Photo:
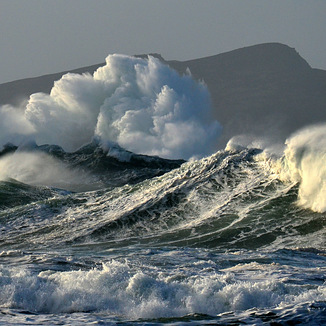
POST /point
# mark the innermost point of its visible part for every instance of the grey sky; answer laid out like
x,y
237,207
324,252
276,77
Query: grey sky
x,y
46,36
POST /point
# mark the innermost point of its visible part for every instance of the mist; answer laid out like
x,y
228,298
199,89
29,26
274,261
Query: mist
x,y
41,169
305,155
141,104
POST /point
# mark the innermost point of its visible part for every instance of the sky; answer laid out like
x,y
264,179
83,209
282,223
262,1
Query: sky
x,y
39,37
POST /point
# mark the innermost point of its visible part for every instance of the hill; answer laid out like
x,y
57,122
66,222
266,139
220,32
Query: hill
x,y
266,89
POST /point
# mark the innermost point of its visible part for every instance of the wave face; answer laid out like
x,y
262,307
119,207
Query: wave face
x,y
140,104
305,156
223,240
93,233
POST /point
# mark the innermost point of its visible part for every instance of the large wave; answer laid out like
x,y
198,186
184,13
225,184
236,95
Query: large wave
x,y
148,108
304,162
300,161
141,104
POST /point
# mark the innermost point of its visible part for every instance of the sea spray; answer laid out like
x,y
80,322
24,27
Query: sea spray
x,y
301,161
141,104
41,169
14,128
218,240
125,289
304,162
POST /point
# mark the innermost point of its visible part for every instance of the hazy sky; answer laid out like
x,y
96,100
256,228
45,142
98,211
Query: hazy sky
x,y
46,36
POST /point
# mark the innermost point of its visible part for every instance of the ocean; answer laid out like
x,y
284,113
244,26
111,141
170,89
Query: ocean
x,y
179,233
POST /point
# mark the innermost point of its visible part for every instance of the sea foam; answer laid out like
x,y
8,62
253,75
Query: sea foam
x,y
300,160
121,290
41,169
141,104
304,162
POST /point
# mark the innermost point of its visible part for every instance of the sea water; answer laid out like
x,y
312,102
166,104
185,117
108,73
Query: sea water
x,y
218,240
99,235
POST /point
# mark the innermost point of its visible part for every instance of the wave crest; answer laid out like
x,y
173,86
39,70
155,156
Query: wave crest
x,y
141,104
304,162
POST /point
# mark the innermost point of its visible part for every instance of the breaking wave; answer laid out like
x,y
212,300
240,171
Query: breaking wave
x,y
144,292
92,233
141,104
304,162
224,239
301,160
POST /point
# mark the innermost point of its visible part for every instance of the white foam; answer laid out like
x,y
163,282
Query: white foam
x,y
304,162
141,104
40,169
13,125
301,161
121,289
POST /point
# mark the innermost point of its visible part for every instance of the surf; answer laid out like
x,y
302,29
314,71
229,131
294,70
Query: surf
x,y
89,208
140,104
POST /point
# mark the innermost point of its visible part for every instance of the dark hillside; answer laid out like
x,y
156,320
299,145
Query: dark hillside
x,y
266,89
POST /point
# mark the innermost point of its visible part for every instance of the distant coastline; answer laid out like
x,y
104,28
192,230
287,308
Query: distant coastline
x,y
265,90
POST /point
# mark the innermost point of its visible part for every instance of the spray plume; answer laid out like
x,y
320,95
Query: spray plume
x,y
141,104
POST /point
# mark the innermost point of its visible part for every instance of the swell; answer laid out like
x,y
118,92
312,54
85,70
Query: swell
x,y
90,167
228,200
14,193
